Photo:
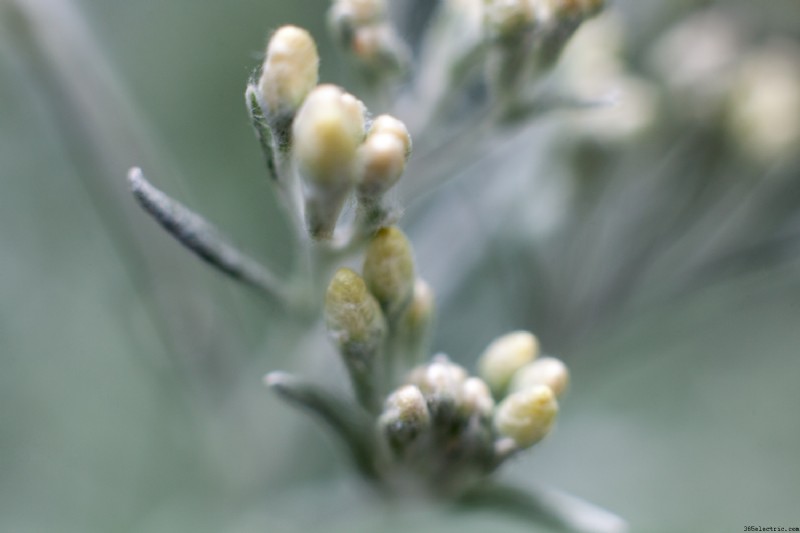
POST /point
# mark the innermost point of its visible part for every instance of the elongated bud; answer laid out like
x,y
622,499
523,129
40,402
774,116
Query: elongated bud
x,y
289,72
389,270
327,132
329,128
356,324
504,356
527,416
416,321
405,418
545,371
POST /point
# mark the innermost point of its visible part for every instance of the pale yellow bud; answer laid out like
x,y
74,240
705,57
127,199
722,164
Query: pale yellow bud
x,y
290,70
353,317
389,270
391,125
764,108
504,356
527,416
418,315
476,397
327,131
382,162
545,371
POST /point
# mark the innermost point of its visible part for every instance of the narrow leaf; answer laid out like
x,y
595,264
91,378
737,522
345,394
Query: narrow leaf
x,y
199,236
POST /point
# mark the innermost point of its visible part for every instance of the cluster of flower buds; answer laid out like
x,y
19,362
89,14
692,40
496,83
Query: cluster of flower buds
x,y
505,18
441,424
379,317
529,35
449,427
362,28
325,135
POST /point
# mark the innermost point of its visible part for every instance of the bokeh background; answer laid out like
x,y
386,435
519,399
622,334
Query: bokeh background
x,y
653,247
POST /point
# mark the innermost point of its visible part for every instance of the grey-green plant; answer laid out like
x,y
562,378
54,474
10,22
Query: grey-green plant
x,y
416,425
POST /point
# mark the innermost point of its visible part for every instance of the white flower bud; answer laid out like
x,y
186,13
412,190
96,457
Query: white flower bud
x,y
504,356
476,397
764,108
382,162
407,405
527,416
404,419
441,376
391,125
327,132
289,72
545,371
441,382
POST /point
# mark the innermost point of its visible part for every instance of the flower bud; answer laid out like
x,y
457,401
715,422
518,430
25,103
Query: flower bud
x,y
289,72
393,126
382,162
389,270
545,371
439,376
504,356
527,416
764,105
415,323
441,382
476,398
355,323
379,48
405,418
327,132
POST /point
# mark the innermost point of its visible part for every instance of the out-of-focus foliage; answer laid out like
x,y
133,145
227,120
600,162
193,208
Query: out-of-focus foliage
x,y
652,245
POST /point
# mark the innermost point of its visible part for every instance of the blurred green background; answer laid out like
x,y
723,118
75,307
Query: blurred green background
x,y
130,374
